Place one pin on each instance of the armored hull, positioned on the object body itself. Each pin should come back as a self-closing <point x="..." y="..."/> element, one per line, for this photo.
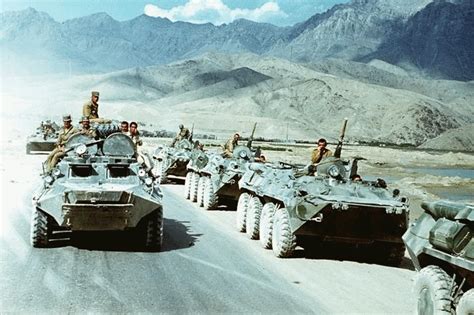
<point x="37" y="143"/>
<point x="172" y="160"/>
<point x="98" y="186"/>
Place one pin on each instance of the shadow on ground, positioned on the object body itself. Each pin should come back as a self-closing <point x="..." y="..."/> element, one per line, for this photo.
<point x="176" y="235"/>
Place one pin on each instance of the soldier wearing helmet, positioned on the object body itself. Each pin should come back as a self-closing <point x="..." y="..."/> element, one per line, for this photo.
<point x="183" y="133"/>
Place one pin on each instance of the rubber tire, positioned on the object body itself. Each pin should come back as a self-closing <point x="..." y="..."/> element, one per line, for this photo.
<point x="158" y="171"/>
<point x="433" y="290"/>
<point x="283" y="240"/>
<point x="41" y="228"/>
<point x="187" y="185"/>
<point x="266" y="225"/>
<point x="193" y="187"/>
<point x="153" y="230"/>
<point x="242" y="206"/>
<point x="200" y="192"/>
<point x="105" y="130"/>
<point x="466" y="303"/>
<point x="210" y="197"/>
<point x="252" y="220"/>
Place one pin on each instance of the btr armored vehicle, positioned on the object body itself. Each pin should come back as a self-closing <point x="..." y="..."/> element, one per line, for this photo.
<point x="98" y="186"/>
<point x="197" y="162"/>
<point x="284" y="207"/>
<point x="172" y="160"/>
<point x="44" y="140"/>
<point x="441" y="245"/>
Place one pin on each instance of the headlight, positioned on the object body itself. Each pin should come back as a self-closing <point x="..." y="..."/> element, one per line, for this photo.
<point x="333" y="171"/>
<point x="56" y="172"/>
<point x="49" y="179"/>
<point x="243" y="154"/>
<point x="81" y="149"/>
<point x="148" y="181"/>
<point x="141" y="173"/>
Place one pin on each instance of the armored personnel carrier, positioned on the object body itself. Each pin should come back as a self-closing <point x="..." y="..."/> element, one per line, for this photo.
<point x="285" y="206"/>
<point x="441" y="246"/>
<point x="218" y="180"/>
<point x="44" y="140"/>
<point x="98" y="186"/>
<point x="197" y="162"/>
<point x="172" y="160"/>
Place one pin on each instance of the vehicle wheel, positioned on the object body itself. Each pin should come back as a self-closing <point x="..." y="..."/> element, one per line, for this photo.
<point x="466" y="304"/>
<point x="242" y="206"/>
<point x="159" y="171"/>
<point x="153" y="226"/>
<point x="433" y="289"/>
<point x="283" y="240"/>
<point x="105" y="130"/>
<point x="200" y="192"/>
<point x="40" y="228"/>
<point x="187" y="185"/>
<point x="266" y="225"/>
<point x="193" y="187"/>
<point x="210" y="197"/>
<point x="252" y="223"/>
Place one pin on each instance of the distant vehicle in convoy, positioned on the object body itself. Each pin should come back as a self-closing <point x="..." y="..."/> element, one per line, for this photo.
<point x="217" y="178"/>
<point x="44" y="140"/>
<point x="441" y="246"/>
<point x="98" y="186"/>
<point x="172" y="160"/>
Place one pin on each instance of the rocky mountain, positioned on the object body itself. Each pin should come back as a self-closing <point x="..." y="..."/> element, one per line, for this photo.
<point x="437" y="40"/>
<point x="431" y="39"/>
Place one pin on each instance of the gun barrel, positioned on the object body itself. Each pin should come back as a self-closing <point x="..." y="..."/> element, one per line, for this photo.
<point x="343" y="130"/>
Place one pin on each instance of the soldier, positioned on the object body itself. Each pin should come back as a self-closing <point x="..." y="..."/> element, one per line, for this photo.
<point x="183" y="133"/>
<point x="64" y="134"/>
<point x="124" y="127"/>
<point x="91" y="108"/>
<point x="320" y="152"/>
<point x="135" y="135"/>
<point x="86" y="128"/>
<point x="231" y="144"/>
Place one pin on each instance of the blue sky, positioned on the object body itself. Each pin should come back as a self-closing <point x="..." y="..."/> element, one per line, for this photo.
<point x="278" y="12"/>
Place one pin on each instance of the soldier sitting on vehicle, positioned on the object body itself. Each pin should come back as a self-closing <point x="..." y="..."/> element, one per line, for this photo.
<point x="124" y="127"/>
<point x="320" y="152"/>
<point x="86" y="128"/>
<point x="91" y="109"/>
<point x="64" y="134"/>
<point x="142" y="157"/>
<point x="183" y="133"/>
<point x="230" y="145"/>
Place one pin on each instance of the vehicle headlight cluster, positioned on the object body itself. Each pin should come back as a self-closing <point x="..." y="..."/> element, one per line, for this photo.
<point x="81" y="149"/>
<point x="333" y="171"/>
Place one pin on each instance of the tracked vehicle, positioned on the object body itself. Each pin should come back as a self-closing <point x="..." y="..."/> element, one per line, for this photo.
<point x="98" y="186"/>
<point x="286" y="205"/>
<point x="441" y="246"/>
<point x="44" y="140"/>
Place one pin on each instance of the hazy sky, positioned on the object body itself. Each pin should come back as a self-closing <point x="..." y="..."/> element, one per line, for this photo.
<point x="279" y="12"/>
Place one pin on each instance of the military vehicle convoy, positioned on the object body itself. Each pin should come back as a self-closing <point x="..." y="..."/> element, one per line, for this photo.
<point x="441" y="246"/>
<point x="44" y="140"/>
<point x="98" y="186"/>
<point x="172" y="160"/>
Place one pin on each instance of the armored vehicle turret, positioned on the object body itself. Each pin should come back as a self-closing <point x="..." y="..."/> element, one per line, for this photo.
<point x="172" y="160"/>
<point x="98" y="186"/>
<point x="284" y="207"/>
<point x="44" y="139"/>
<point x="441" y="246"/>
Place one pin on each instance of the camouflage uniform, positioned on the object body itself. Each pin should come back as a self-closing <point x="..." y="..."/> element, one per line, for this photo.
<point x="317" y="155"/>
<point x="182" y="134"/>
<point x="229" y="146"/>
<point x="58" y="152"/>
